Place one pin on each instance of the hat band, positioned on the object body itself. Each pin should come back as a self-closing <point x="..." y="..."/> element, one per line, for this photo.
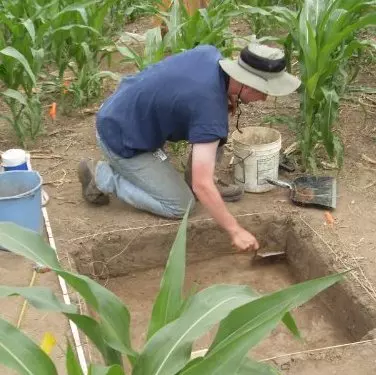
<point x="266" y="76"/>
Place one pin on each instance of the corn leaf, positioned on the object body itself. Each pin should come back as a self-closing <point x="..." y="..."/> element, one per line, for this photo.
<point x="100" y="370"/>
<point x="250" y="367"/>
<point x="28" y="244"/>
<point x="328" y="116"/>
<point x="251" y="10"/>
<point x="153" y="46"/>
<point x="127" y="52"/>
<point x="79" y="8"/>
<point x="38" y="56"/>
<point x="332" y="23"/>
<point x="92" y="330"/>
<point x="21" y="354"/>
<point x="311" y="84"/>
<point x="14" y="94"/>
<point x="115" y="317"/>
<point x="169" y="300"/>
<point x="289" y="321"/>
<point x="39" y="297"/>
<point x="248" y="324"/>
<point x="107" y="74"/>
<point x="312" y="13"/>
<point x="169" y="349"/>
<point x="285" y="15"/>
<point x="337" y="38"/>
<point x="97" y="20"/>
<point x="131" y="55"/>
<point x="30" y="28"/>
<point x="12" y="52"/>
<point x="73" y="27"/>
<point x="88" y="55"/>
<point x="72" y="364"/>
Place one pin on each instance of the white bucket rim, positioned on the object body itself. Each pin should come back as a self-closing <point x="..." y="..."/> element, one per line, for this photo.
<point x="27" y="193"/>
<point x="237" y="134"/>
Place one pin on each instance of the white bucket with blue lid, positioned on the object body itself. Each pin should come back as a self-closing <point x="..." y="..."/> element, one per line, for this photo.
<point x="14" y="159"/>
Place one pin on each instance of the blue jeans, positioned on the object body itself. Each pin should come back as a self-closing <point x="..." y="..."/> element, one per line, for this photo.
<point x="144" y="181"/>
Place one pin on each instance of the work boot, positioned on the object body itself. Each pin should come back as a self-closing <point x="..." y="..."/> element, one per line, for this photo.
<point x="229" y="192"/>
<point x="90" y="192"/>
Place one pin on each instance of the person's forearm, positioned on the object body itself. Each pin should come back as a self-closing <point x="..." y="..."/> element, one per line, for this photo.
<point x="209" y="196"/>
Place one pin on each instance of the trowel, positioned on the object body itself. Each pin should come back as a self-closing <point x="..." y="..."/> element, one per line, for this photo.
<point x="262" y="254"/>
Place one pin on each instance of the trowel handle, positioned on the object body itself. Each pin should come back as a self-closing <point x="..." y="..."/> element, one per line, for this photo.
<point x="279" y="183"/>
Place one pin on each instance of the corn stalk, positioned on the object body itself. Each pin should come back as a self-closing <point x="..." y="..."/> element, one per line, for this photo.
<point x="324" y="34"/>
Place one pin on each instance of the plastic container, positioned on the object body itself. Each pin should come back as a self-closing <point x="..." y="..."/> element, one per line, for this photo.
<point x="256" y="157"/>
<point x="14" y="159"/>
<point x="20" y="199"/>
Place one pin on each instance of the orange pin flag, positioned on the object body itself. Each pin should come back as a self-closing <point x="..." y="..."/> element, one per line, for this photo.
<point x="329" y="218"/>
<point x="66" y="85"/>
<point x="53" y="111"/>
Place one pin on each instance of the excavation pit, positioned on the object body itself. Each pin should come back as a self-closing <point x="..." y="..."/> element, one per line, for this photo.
<point x="130" y="263"/>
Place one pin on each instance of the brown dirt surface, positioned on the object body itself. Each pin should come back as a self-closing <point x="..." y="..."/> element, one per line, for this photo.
<point x="353" y="235"/>
<point x="317" y="327"/>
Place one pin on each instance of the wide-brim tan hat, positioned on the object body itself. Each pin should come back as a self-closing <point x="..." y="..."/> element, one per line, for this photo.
<point x="262" y="68"/>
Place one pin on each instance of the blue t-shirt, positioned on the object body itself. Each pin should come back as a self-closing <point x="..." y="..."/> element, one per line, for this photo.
<point x="183" y="97"/>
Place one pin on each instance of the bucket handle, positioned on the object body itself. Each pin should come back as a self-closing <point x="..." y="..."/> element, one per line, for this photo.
<point x="241" y="162"/>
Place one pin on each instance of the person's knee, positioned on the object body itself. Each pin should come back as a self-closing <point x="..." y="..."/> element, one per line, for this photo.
<point x="177" y="211"/>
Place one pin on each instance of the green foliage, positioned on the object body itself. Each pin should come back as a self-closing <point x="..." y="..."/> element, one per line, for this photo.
<point x="169" y="301"/>
<point x="72" y="364"/>
<point x="205" y="26"/>
<point x="324" y="34"/>
<point x="261" y="25"/>
<point x="21" y="354"/>
<point x="37" y="35"/>
<point x="244" y="318"/>
<point x="21" y="60"/>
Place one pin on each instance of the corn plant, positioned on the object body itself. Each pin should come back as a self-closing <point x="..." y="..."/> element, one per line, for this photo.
<point x="324" y="34"/>
<point x="205" y="26"/>
<point x="258" y="23"/>
<point x="124" y="10"/>
<point x="34" y="34"/>
<point x="176" y="322"/>
<point x="153" y="50"/>
<point x="21" y="60"/>
<point x="75" y="39"/>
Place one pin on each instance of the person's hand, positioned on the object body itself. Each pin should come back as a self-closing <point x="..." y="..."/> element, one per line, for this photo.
<point x="243" y="240"/>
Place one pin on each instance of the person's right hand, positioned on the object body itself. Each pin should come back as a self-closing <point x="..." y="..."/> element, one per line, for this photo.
<point x="243" y="240"/>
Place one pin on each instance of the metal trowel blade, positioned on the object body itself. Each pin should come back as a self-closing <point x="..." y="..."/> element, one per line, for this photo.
<point x="268" y="254"/>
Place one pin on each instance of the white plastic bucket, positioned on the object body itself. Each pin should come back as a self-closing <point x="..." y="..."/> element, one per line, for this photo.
<point x="14" y="159"/>
<point x="256" y="157"/>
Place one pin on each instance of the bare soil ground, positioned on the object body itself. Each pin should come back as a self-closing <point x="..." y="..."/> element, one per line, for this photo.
<point x="353" y="235"/>
<point x="317" y="326"/>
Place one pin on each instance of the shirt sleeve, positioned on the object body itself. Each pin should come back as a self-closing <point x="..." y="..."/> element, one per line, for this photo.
<point x="205" y="133"/>
<point x="209" y="120"/>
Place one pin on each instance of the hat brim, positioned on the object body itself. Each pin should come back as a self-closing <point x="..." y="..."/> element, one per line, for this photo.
<point x="283" y="84"/>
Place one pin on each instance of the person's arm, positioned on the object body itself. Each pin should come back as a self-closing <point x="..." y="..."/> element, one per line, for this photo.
<point x="203" y="166"/>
